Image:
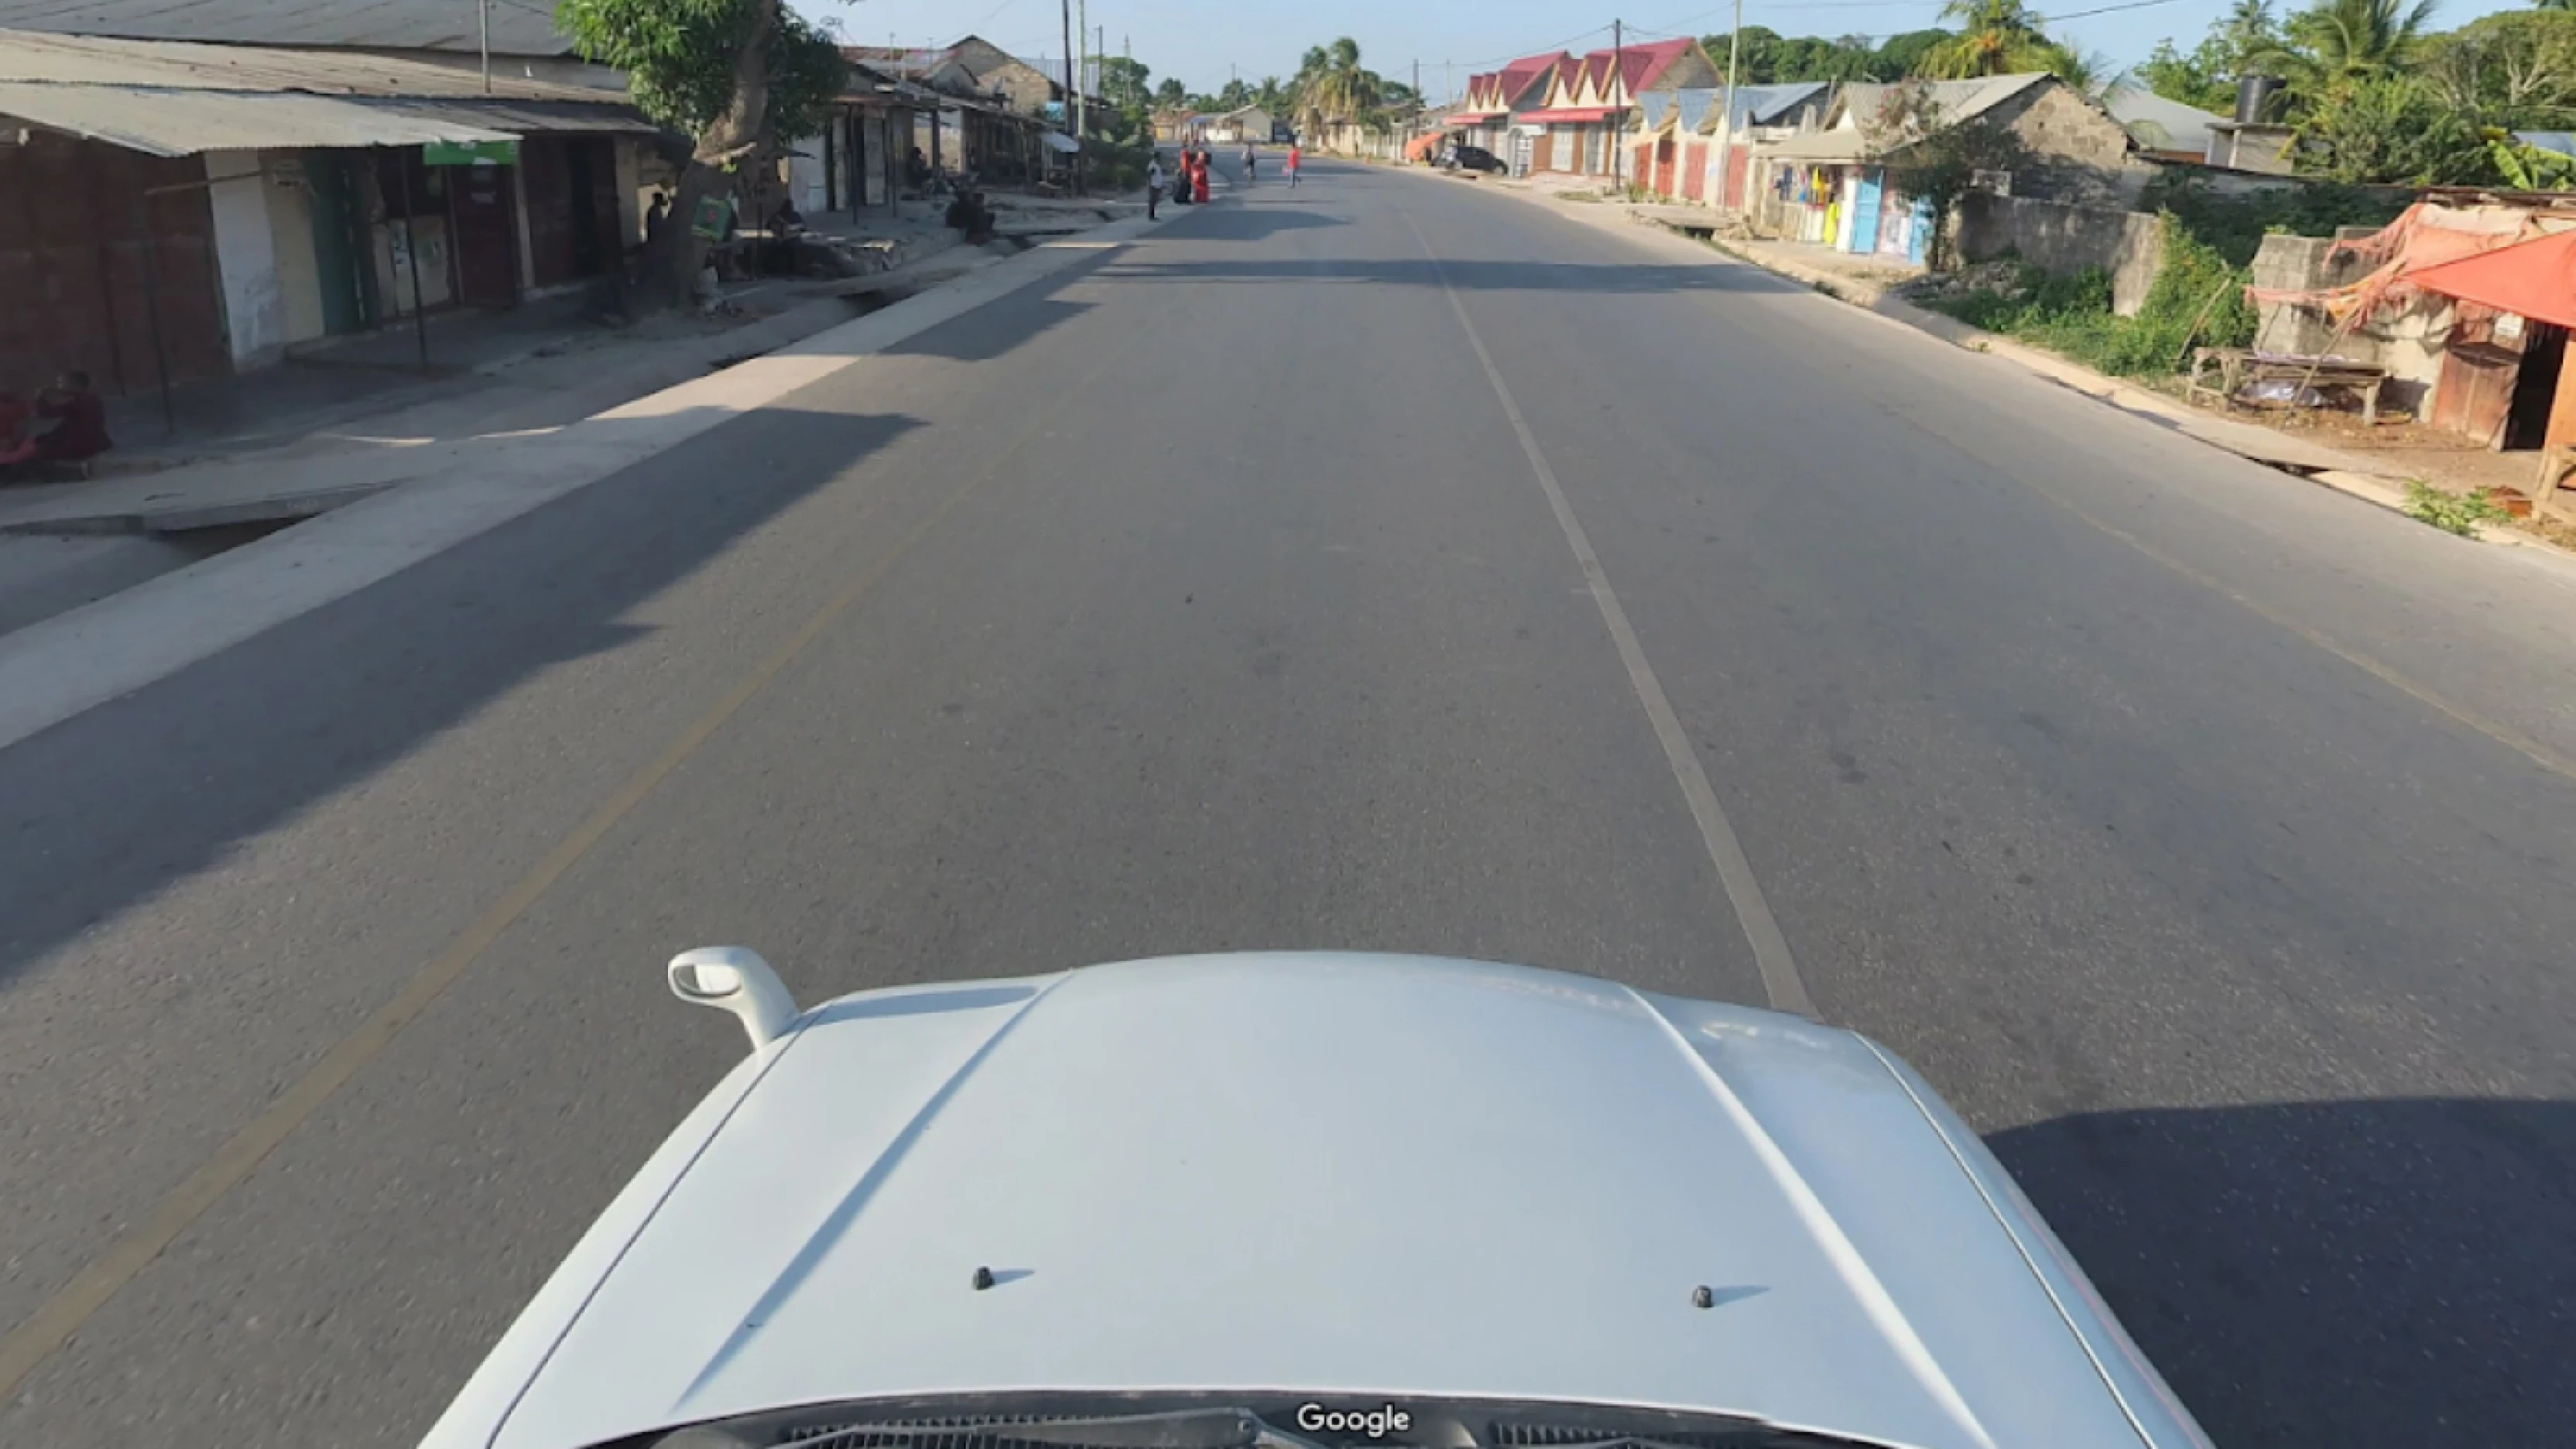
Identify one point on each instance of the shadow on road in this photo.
(1466, 275)
(108, 809)
(989, 332)
(2366, 1275)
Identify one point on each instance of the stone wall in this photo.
(2062, 240)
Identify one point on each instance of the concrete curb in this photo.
(53, 670)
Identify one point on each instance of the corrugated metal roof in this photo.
(519, 27)
(2158, 123)
(1764, 105)
(522, 118)
(176, 65)
(1693, 106)
(188, 123)
(1958, 100)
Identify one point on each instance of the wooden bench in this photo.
(2238, 367)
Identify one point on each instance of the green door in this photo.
(340, 253)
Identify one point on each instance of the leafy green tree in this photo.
(2391, 129)
(733, 74)
(1903, 55)
(1122, 83)
(2516, 68)
(1766, 57)
(2197, 78)
(1171, 94)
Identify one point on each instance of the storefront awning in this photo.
(159, 122)
(1571, 115)
(2534, 279)
(1473, 118)
(1059, 141)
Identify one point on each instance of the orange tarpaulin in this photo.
(2427, 234)
(1421, 147)
(2535, 279)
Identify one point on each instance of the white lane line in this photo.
(1780, 979)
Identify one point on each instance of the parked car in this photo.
(1474, 158)
(1309, 1202)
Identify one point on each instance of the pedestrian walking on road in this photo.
(1153, 186)
(1199, 182)
(1296, 158)
(1248, 160)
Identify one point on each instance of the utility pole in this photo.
(1726, 148)
(1082, 104)
(1618, 69)
(483, 18)
(1066, 6)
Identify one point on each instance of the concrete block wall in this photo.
(2408, 342)
(2082, 155)
(2062, 240)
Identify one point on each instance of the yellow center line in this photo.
(71, 1306)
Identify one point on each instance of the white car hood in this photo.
(1349, 1175)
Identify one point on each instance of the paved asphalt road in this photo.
(2207, 837)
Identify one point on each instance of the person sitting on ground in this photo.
(968, 217)
(79, 432)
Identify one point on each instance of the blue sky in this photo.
(1198, 42)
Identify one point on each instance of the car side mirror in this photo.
(735, 979)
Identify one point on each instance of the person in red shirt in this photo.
(79, 432)
(1296, 159)
(1199, 180)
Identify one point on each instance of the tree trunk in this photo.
(674, 259)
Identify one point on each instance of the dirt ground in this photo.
(2404, 448)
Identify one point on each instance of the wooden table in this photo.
(2239, 366)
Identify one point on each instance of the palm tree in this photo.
(1337, 88)
(1996, 37)
(2089, 72)
(2342, 40)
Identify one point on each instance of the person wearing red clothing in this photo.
(1296, 159)
(1199, 180)
(79, 432)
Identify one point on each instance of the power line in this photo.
(1534, 50)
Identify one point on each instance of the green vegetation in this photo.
(736, 75)
(2460, 513)
(2198, 297)
(2377, 96)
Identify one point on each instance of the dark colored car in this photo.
(1475, 158)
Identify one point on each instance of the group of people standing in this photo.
(1188, 180)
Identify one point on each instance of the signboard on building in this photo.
(470, 153)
